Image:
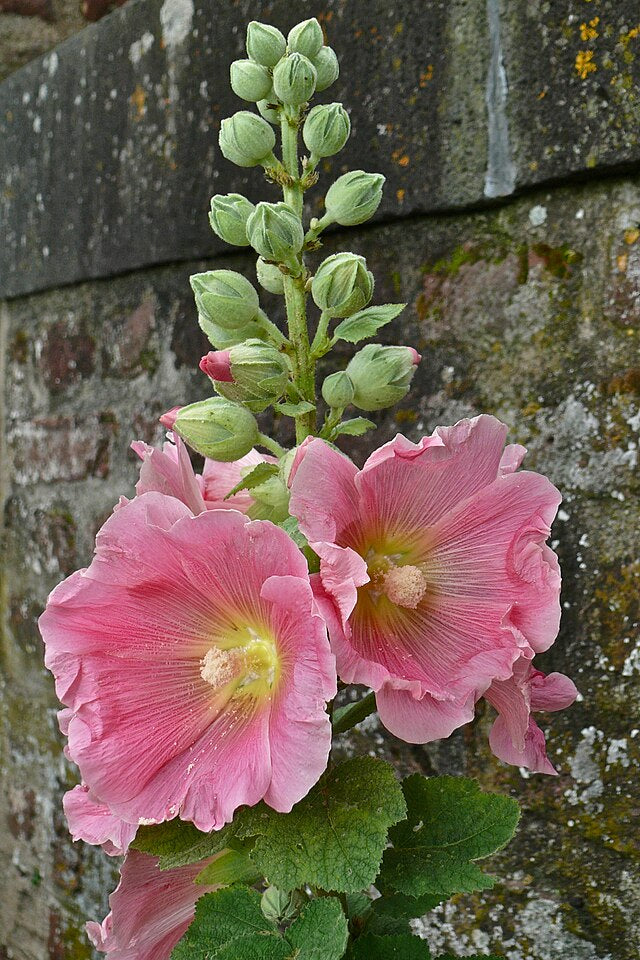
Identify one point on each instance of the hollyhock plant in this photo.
(197, 656)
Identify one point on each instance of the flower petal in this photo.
(423, 719)
(93, 822)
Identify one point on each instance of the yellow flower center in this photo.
(245, 663)
(402, 583)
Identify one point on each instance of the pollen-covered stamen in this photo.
(244, 663)
(405, 586)
(218, 667)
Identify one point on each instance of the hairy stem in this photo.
(344, 718)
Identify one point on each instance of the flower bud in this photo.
(268, 110)
(270, 501)
(306, 38)
(326, 130)
(275, 231)
(246, 139)
(228, 217)
(250, 80)
(269, 276)
(354, 197)
(342, 284)
(217, 428)
(327, 68)
(381, 375)
(253, 373)
(223, 339)
(225, 298)
(337, 390)
(265, 44)
(169, 418)
(294, 79)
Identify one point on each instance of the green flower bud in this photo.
(326, 130)
(250, 80)
(246, 139)
(327, 68)
(253, 373)
(354, 197)
(269, 276)
(342, 285)
(223, 339)
(306, 38)
(294, 79)
(337, 390)
(268, 111)
(225, 298)
(217, 428)
(265, 44)
(228, 217)
(275, 231)
(270, 501)
(381, 375)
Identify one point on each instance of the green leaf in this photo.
(320, 932)
(354, 427)
(257, 946)
(177, 843)
(232, 866)
(292, 528)
(391, 915)
(294, 409)
(403, 946)
(335, 837)
(221, 918)
(450, 823)
(260, 473)
(367, 322)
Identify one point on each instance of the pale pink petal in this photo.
(93, 822)
(342, 571)
(169, 471)
(323, 493)
(552, 692)
(533, 752)
(421, 720)
(514, 454)
(151, 909)
(219, 478)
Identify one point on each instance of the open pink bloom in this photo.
(515, 736)
(170, 471)
(151, 909)
(435, 577)
(194, 665)
(93, 822)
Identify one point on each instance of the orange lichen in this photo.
(426, 76)
(621, 261)
(588, 30)
(138, 99)
(631, 235)
(400, 195)
(584, 63)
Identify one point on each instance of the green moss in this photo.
(557, 261)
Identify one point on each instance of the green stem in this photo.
(321, 333)
(344, 718)
(271, 330)
(272, 445)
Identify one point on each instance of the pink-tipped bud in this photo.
(217, 365)
(169, 418)
(415, 356)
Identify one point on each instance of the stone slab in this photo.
(108, 144)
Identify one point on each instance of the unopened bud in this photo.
(294, 79)
(269, 276)
(225, 298)
(265, 44)
(269, 109)
(275, 231)
(253, 373)
(246, 140)
(270, 501)
(327, 68)
(228, 218)
(217, 428)
(306, 38)
(381, 375)
(342, 285)
(169, 418)
(223, 339)
(250, 80)
(337, 390)
(354, 197)
(326, 130)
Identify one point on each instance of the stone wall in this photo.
(511, 226)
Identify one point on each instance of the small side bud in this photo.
(246, 140)
(327, 68)
(326, 130)
(225, 298)
(228, 218)
(381, 375)
(354, 197)
(265, 44)
(217, 428)
(275, 231)
(250, 80)
(306, 38)
(268, 111)
(269, 276)
(169, 418)
(294, 79)
(270, 501)
(217, 365)
(337, 390)
(342, 285)
(252, 373)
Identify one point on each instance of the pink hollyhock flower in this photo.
(434, 577)
(93, 822)
(170, 471)
(194, 665)
(151, 909)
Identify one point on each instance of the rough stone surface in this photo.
(114, 134)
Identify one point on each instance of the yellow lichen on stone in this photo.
(584, 63)
(588, 30)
